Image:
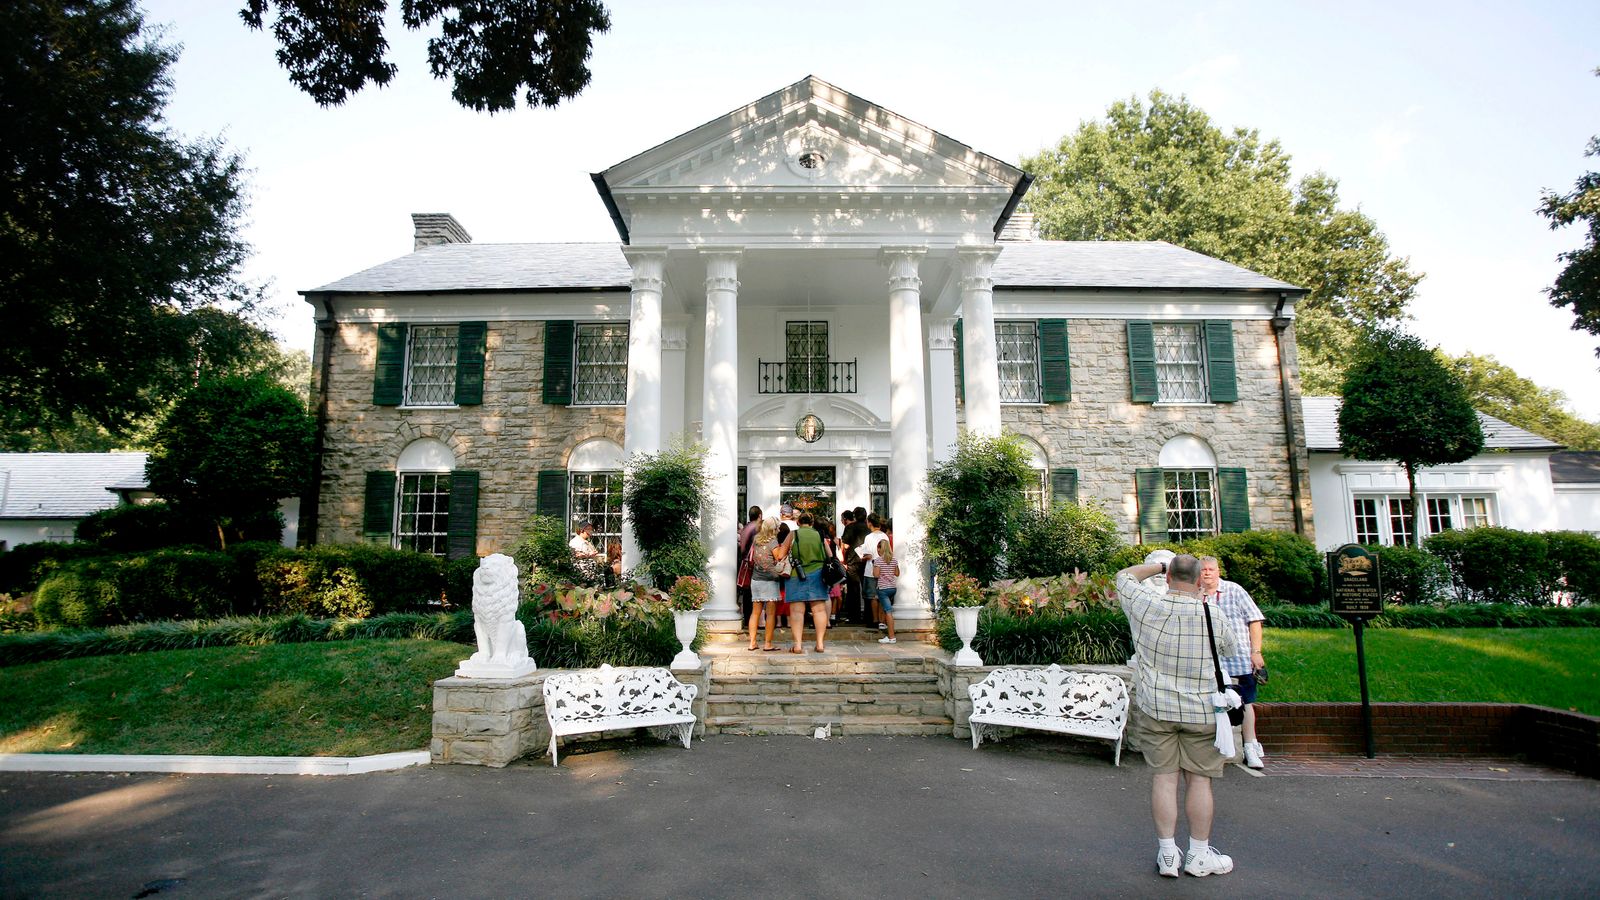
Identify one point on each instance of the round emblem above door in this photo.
(809, 428)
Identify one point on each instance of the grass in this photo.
(1557, 667)
(350, 698)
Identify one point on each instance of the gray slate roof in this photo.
(1575, 467)
(1322, 429)
(1023, 264)
(64, 485)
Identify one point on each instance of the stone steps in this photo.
(832, 706)
(841, 726)
(782, 663)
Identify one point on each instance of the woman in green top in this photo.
(805, 589)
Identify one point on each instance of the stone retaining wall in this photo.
(493, 722)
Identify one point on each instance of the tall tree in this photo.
(1578, 285)
(114, 232)
(491, 48)
(229, 450)
(1165, 172)
(1402, 403)
(1496, 389)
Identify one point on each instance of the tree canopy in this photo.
(1496, 389)
(229, 450)
(119, 245)
(1578, 285)
(492, 49)
(1165, 172)
(1402, 403)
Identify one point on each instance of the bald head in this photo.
(1183, 573)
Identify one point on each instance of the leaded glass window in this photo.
(805, 353)
(878, 484)
(1017, 346)
(1180, 362)
(431, 366)
(600, 365)
(806, 476)
(1366, 520)
(597, 497)
(423, 512)
(1191, 504)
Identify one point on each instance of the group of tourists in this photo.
(1197, 661)
(798, 565)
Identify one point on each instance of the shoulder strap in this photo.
(1216, 664)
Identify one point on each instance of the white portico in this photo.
(811, 250)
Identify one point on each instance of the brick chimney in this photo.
(438, 228)
(1020, 227)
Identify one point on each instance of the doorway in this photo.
(810, 489)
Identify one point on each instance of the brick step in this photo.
(818, 683)
(842, 725)
(831, 706)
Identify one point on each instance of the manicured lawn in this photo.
(348, 698)
(1557, 667)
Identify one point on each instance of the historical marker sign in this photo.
(1354, 582)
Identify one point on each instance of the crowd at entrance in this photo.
(792, 567)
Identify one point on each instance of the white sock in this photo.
(1198, 846)
(1166, 844)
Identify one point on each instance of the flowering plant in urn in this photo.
(688, 593)
(962, 591)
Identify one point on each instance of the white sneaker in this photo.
(1167, 861)
(882, 627)
(887, 640)
(1207, 862)
(1253, 754)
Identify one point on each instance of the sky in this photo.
(1444, 122)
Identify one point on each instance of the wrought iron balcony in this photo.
(806, 377)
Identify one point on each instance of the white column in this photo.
(674, 377)
(942, 387)
(982, 369)
(720, 431)
(908, 433)
(642, 422)
(762, 485)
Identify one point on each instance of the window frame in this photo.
(601, 517)
(1176, 512)
(579, 366)
(1467, 510)
(1201, 363)
(1033, 364)
(818, 374)
(403, 539)
(446, 335)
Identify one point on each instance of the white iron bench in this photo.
(608, 699)
(1087, 704)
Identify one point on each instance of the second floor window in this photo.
(805, 355)
(1180, 362)
(1017, 349)
(431, 366)
(600, 365)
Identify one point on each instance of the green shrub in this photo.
(1496, 565)
(175, 584)
(1576, 557)
(82, 596)
(1285, 615)
(138, 528)
(663, 497)
(1067, 538)
(1091, 637)
(15, 617)
(1411, 576)
(458, 581)
(1133, 555)
(349, 581)
(543, 556)
(1274, 566)
(1461, 615)
(975, 502)
(25, 566)
(673, 561)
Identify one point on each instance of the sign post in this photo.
(1356, 593)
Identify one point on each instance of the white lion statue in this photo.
(502, 641)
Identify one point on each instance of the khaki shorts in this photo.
(1170, 746)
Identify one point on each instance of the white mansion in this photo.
(825, 294)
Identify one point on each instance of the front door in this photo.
(810, 489)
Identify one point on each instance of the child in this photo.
(888, 580)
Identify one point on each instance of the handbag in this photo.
(746, 572)
(832, 571)
(784, 568)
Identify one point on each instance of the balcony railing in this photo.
(806, 377)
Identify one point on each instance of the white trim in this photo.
(1153, 305)
(212, 765)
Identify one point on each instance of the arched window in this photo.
(422, 507)
(1189, 496)
(594, 483)
(1037, 491)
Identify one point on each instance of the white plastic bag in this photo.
(1222, 701)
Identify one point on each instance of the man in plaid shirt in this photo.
(1244, 620)
(1173, 716)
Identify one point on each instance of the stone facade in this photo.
(507, 440)
(1106, 436)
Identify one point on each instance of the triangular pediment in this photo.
(811, 135)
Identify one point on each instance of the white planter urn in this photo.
(687, 624)
(967, 629)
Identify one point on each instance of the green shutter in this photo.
(558, 339)
(552, 499)
(1055, 364)
(1151, 488)
(1142, 363)
(1219, 361)
(1233, 496)
(1063, 486)
(461, 541)
(379, 515)
(389, 377)
(471, 345)
(961, 365)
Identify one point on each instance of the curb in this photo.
(212, 765)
